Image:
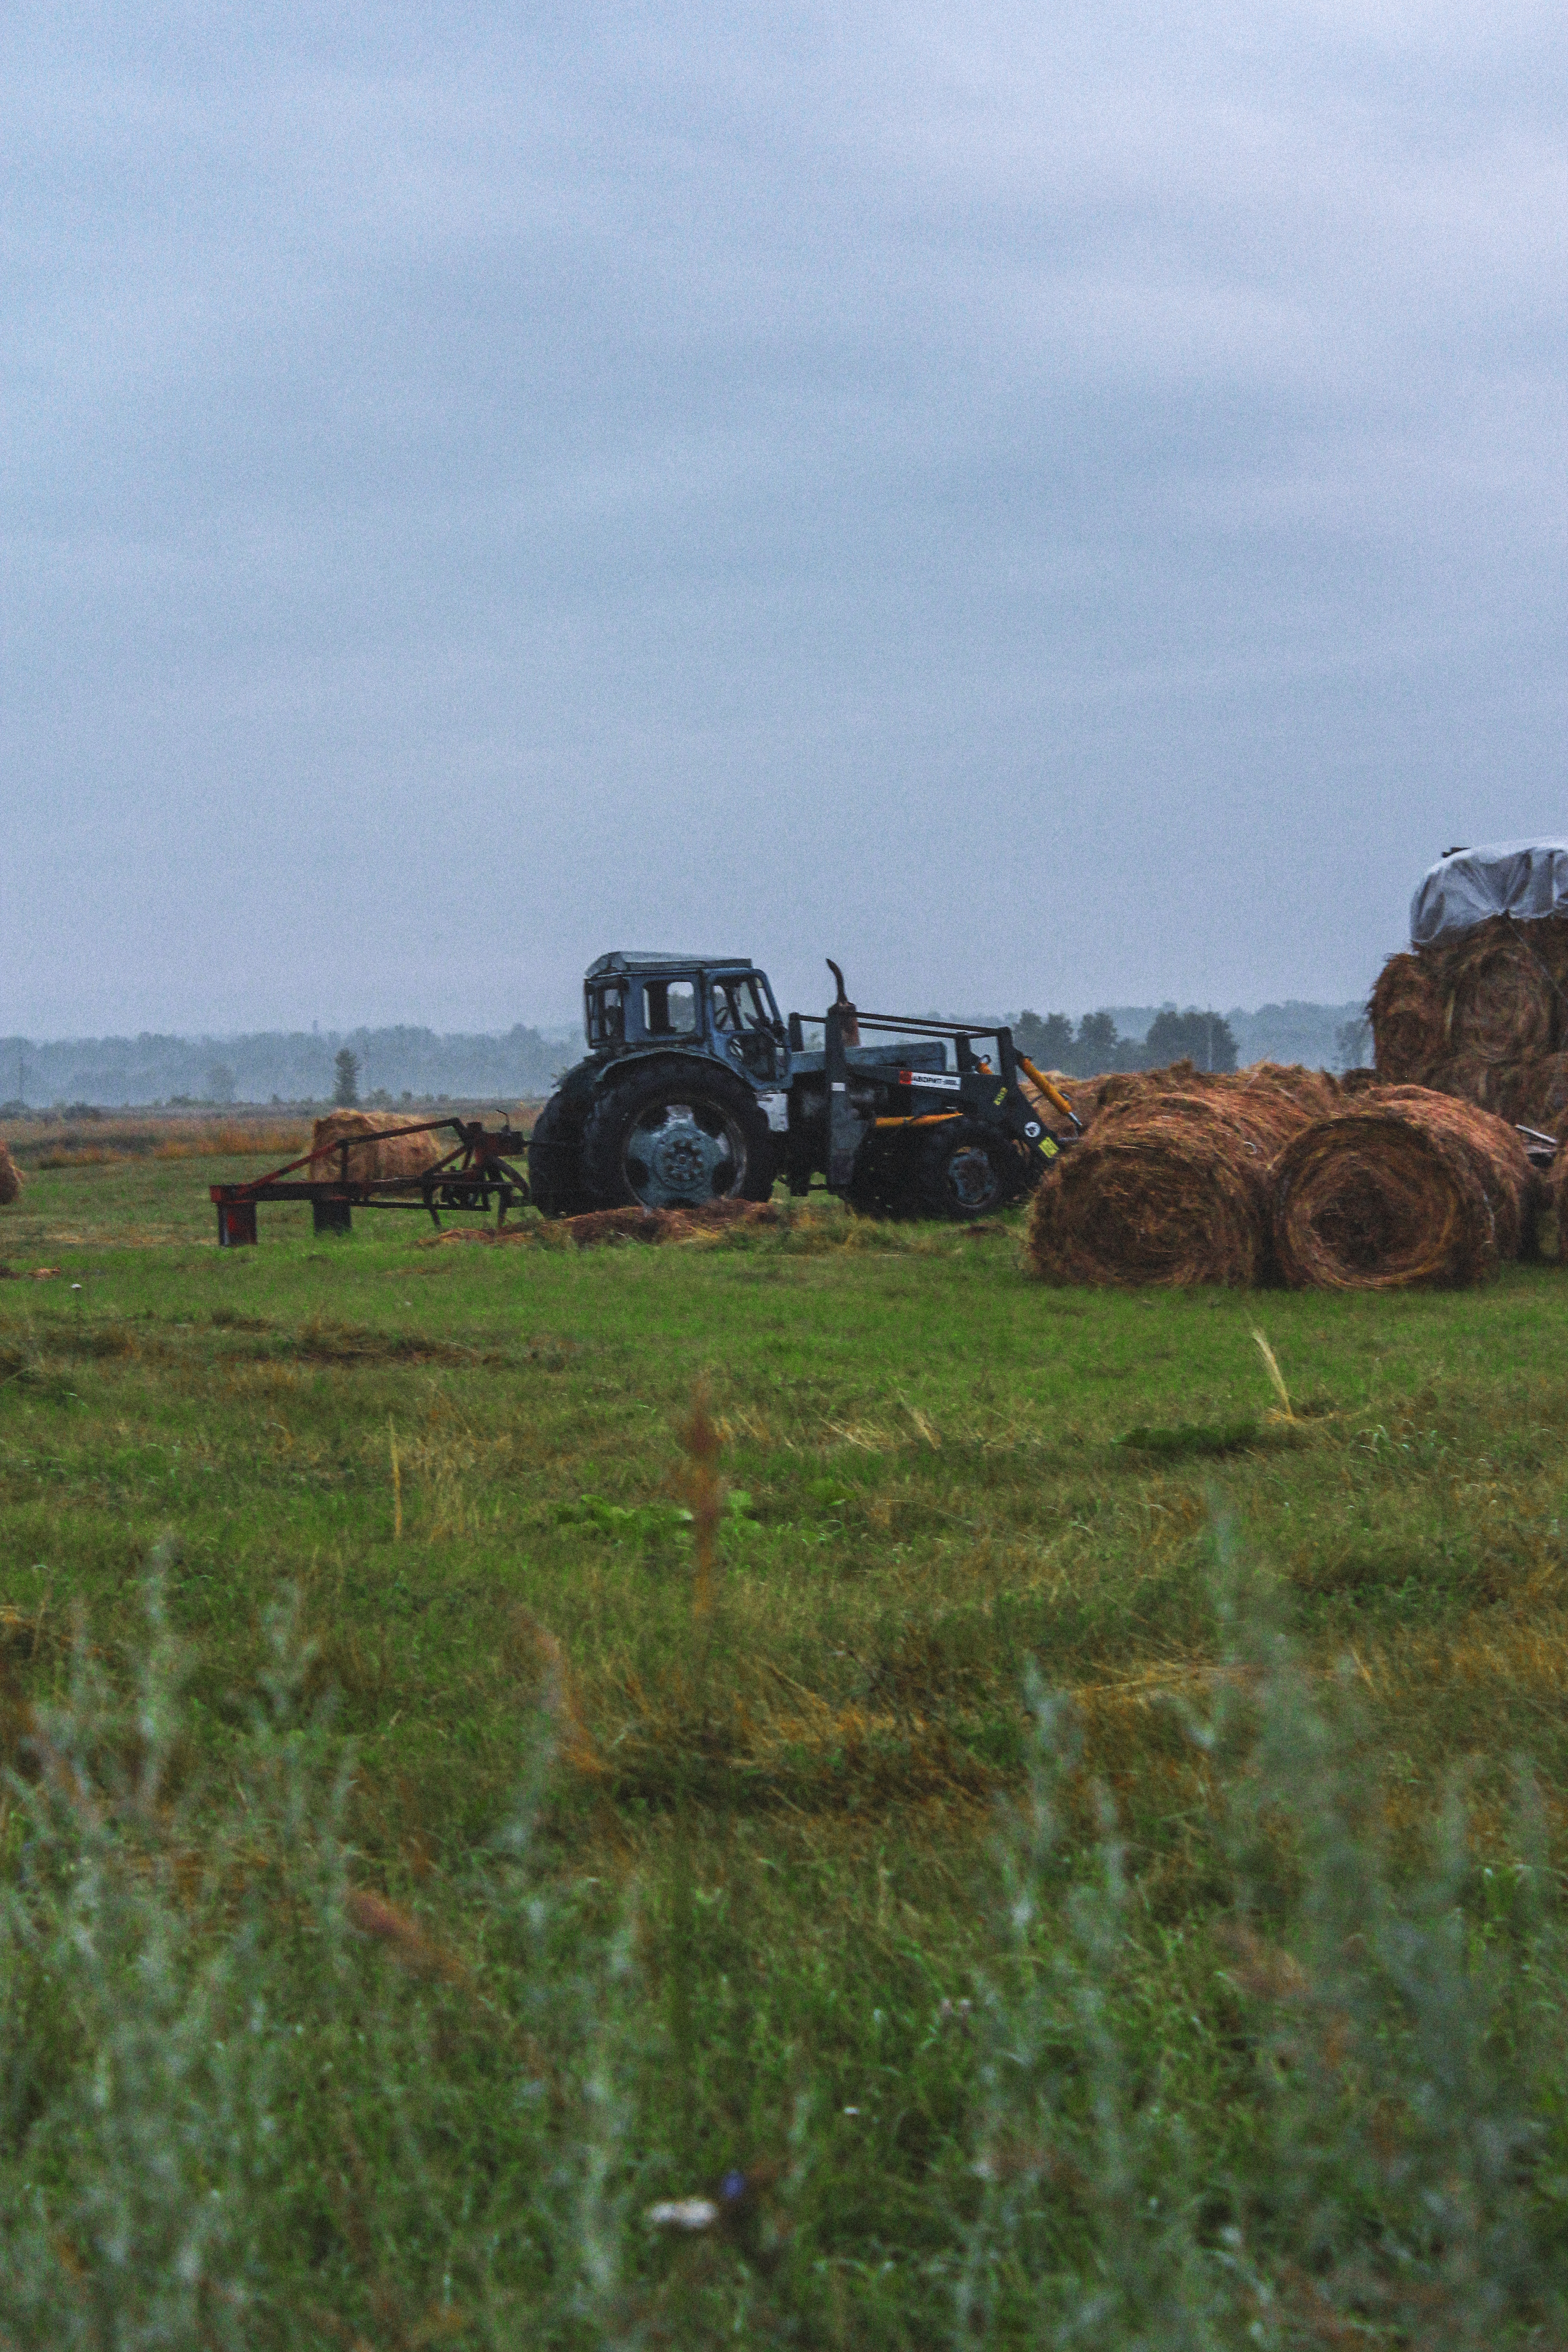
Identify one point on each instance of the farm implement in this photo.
(477, 1173)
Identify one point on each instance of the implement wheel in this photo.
(963, 1169)
(673, 1138)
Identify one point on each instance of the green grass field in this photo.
(466, 1461)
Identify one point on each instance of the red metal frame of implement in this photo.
(477, 1171)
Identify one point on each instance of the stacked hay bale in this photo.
(1171, 1185)
(10, 1177)
(375, 1155)
(1478, 1008)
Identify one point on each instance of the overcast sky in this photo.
(1052, 504)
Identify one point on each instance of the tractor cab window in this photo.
(607, 1016)
(738, 1006)
(669, 1008)
(744, 1018)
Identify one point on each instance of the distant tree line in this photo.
(279, 1066)
(304, 1066)
(1051, 1040)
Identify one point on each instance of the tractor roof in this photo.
(628, 960)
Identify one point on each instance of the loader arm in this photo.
(1052, 1094)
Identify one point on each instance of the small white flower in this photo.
(684, 2213)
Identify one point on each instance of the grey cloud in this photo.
(1052, 507)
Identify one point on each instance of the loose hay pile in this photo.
(1171, 1185)
(1414, 1188)
(598, 1226)
(383, 1159)
(10, 1179)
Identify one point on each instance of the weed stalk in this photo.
(701, 1443)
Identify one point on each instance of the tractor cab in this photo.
(719, 1006)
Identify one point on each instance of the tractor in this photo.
(693, 1089)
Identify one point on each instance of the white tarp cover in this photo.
(1527, 878)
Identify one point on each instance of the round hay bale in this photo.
(1405, 1010)
(10, 1177)
(379, 1158)
(1502, 994)
(1468, 1077)
(1411, 1188)
(1526, 1093)
(1168, 1188)
(1183, 1077)
(1535, 1093)
(1316, 1091)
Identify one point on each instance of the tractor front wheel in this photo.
(963, 1169)
(674, 1138)
(881, 1186)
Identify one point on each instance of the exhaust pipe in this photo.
(841, 1004)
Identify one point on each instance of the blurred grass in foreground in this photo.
(246, 2098)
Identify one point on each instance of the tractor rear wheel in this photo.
(673, 1138)
(964, 1169)
(554, 1164)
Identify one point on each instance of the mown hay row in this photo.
(1415, 1188)
(1171, 1185)
(374, 1155)
(10, 1179)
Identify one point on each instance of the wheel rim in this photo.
(971, 1179)
(679, 1155)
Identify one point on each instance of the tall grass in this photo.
(1366, 2143)
(247, 2099)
